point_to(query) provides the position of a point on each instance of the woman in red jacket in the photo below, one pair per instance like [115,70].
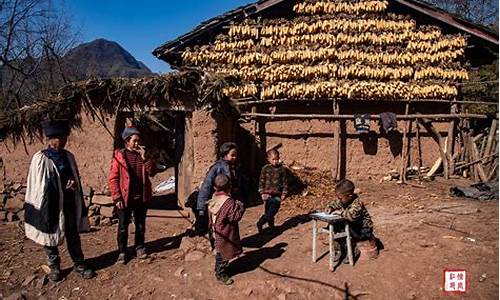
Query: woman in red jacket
[131,190]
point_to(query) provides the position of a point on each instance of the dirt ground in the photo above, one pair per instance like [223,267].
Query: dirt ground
[412,223]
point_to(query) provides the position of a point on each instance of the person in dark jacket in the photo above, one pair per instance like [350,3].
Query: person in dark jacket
[54,206]
[273,187]
[226,164]
[225,213]
[131,190]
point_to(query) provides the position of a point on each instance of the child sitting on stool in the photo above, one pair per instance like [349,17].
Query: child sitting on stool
[349,206]
[273,187]
[224,215]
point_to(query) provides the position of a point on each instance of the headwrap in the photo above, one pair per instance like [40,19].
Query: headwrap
[128,132]
[55,128]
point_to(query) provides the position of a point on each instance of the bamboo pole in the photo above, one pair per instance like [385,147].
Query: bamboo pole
[350,117]
[405,154]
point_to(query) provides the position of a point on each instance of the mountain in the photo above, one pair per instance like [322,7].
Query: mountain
[103,58]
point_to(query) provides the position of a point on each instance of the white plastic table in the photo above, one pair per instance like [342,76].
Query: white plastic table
[330,220]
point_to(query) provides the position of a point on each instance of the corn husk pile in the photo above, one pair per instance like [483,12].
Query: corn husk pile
[350,49]
[310,189]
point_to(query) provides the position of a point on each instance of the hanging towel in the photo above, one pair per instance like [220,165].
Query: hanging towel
[388,120]
[362,123]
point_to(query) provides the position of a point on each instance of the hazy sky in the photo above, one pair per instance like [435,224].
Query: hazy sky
[141,26]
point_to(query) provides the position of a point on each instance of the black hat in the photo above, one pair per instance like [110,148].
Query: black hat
[55,128]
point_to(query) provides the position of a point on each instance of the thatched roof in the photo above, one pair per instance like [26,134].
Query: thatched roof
[182,90]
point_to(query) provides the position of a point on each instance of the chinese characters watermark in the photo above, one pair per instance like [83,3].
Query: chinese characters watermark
[455,281]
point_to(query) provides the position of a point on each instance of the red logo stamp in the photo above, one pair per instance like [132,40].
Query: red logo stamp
[455,281]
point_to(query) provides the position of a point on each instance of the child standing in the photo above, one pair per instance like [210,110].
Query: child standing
[273,187]
[224,215]
[349,206]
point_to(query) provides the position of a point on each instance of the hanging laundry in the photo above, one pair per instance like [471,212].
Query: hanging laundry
[362,123]
[388,121]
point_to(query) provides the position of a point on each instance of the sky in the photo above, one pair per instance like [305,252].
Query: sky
[141,26]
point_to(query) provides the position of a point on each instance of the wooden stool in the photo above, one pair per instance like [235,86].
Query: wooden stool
[332,236]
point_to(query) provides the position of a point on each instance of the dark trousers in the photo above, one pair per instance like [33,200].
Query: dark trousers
[271,208]
[72,236]
[139,210]
[220,266]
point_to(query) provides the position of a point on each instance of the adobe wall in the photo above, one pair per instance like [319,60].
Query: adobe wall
[92,146]
[310,143]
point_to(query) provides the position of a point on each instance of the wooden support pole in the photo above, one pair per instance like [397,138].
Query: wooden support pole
[253,154]
[427,124]
[451,141]
[336,143]
[405,152]
[419,150]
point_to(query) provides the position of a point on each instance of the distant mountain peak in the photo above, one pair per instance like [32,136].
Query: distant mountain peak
[104,58]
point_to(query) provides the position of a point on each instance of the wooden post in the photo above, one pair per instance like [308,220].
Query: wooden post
[419,150]
[336,143]
[405,152]
[253,154]
[491,138]
[451,141]
[479,167]
[427,124]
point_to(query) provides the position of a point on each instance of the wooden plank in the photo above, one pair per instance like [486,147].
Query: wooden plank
[427,124]
[419,150]
[491,137]
[479,167]
[253,154]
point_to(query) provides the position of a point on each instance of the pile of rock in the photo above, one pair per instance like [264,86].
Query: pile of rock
[12,202]
[101,209]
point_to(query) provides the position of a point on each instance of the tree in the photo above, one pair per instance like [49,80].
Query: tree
[484,12]
[34,35]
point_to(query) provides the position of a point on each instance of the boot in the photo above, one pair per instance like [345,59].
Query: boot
[84,271]
[225,279]
[261,223]
[55,273]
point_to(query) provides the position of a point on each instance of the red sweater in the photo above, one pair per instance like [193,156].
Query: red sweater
[120,179]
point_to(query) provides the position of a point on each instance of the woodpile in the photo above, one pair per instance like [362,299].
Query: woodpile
[335,49]
[477,157]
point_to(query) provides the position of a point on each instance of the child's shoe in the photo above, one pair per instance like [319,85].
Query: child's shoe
[141,253]
[122,259]
[260,223]
[224,279]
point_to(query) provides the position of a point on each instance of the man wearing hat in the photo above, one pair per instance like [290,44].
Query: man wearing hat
[131,189]
[54,206]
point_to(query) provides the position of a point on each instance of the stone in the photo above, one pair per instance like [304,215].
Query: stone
[107,211]
[20,215]
[11,217]
[105,222]
[23,190]
[16,187]
[282,296]
[179,272]
[87,191]
[3,215]
[102,200]
[186,244]
[86,200]
[28,280]
[194,256]
[248,292]
[42,282]
[45,269]
[95,208]
[14,204]
[94,220]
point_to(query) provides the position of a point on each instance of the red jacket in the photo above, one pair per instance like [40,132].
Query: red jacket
[119,178]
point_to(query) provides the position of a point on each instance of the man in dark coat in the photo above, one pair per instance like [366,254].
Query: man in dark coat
[54,207]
